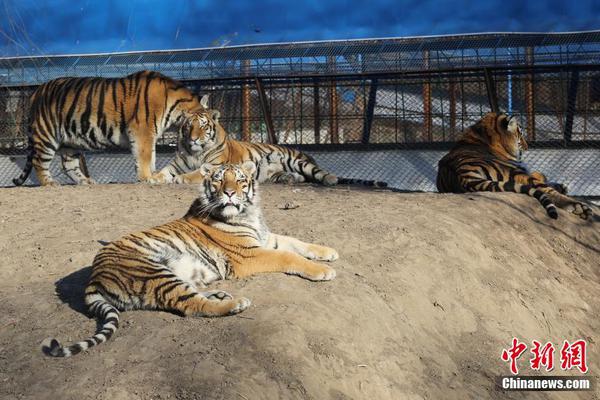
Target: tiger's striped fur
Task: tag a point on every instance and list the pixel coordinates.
(203, 140)
(69, 115)
(223, 235)
(488, 158)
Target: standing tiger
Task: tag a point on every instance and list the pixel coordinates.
(202, 139)
(69, 115)
(488, 158)
(223, 235)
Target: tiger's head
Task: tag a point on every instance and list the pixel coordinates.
(228, 190)
(500, 133)
(201, 130)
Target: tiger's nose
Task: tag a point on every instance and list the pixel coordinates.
(229, 193)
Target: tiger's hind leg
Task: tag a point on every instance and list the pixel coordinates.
(72, 163)
(288, 178)
(183, 298)
(539, 178)
(42, 158)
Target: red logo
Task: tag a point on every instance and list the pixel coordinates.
(513, 354)
(572, 355)
(542, 356)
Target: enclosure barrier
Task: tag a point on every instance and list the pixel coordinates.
(372, 109)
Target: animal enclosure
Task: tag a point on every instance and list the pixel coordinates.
(381, 109)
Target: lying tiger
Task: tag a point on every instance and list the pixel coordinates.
(69, 115)
(202, 140)
(488, 158)
(223, 235)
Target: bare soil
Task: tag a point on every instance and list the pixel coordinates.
(430, 289)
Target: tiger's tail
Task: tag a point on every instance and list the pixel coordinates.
(28, 165)
(542, 197)
(534, 191)
(363, 182)
(100, 308)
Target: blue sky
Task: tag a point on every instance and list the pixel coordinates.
(33, 27)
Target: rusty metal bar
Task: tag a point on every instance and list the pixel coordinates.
(452, 100)
(490, 87)
(333, 113)
(427, 120)
(317, 113)
(333, 103)
(368, 120)
(246, 104)
(265, 110)
(529, 96)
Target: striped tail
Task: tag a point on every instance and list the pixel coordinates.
(536, 192)
(363, 182)
(533, 191)
(101, 309)
(28, 165)
(543, 198)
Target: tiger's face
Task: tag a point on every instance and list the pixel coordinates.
(228, 189)
(199, 130)
(511, 135)
(502, 133)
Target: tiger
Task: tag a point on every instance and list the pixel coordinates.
(223, 235)
(202, 139)
(69, 115)
(487, 157)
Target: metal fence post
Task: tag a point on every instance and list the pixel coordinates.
(529, 96)
(571, 104)
(452, 101)
(490, 87)
(316, 112)
(427, 120)
(265, 111)
(368, 120)
(246, 103)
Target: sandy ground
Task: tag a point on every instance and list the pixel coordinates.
(430, 289)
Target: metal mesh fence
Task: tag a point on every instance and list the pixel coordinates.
(337, 99)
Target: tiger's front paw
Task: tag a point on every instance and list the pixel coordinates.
(158, 178)
(180, 179)
(240, 305)
(87, 181)
(319, 273)
(50, 183)
(583, 211)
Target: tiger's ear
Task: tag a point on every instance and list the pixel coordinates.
(215, 115)
(249, 167)
(204, 101)
(206, 169)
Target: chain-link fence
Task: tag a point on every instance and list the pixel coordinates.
(402, 101)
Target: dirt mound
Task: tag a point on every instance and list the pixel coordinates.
(430, 289)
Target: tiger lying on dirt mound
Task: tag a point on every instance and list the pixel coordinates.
(223, 235)
(202, 139)
(488, 158)
(73, 114)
